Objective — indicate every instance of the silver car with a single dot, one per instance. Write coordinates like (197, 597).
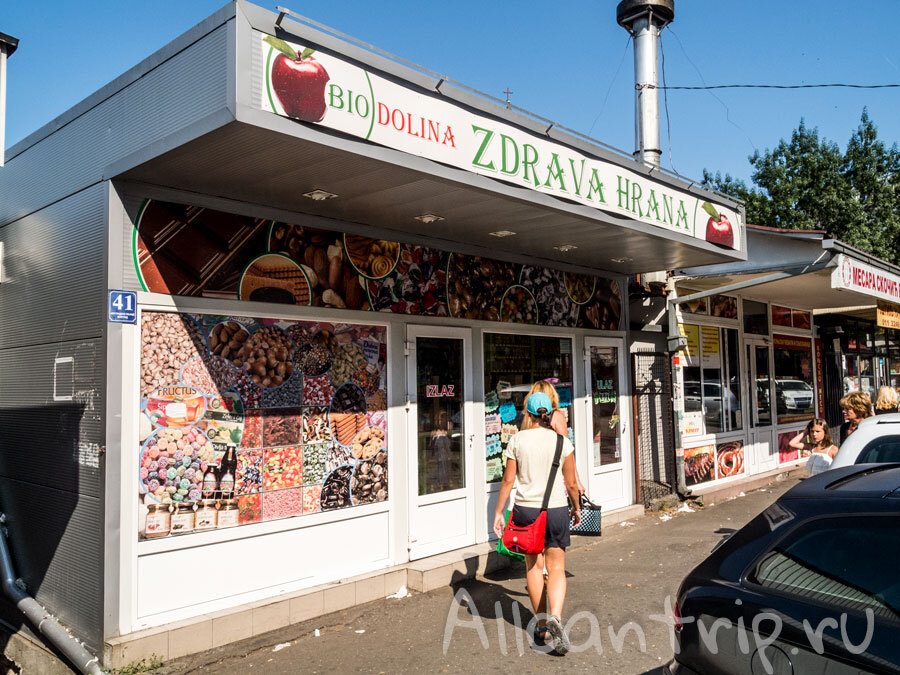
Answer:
(876, 440)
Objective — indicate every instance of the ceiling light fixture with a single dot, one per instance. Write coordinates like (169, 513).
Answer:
(501, 233)
(428, 218)
(319, 195)
(621, 260)
(565, 248)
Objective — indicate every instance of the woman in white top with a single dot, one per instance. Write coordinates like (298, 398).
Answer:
(529, 458)
(817, 439)
(557, 417)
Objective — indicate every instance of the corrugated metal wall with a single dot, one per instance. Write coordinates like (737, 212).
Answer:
(182, 90)
(52, 302)
(51, 417)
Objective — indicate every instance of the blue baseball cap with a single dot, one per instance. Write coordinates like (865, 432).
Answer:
(537, 401)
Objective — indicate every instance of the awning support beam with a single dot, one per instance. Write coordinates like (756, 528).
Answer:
(675, 338)
(740, 285)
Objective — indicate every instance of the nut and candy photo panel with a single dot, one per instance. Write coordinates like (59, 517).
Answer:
(244, 420)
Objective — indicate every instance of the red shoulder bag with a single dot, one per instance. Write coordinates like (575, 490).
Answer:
(530, 538)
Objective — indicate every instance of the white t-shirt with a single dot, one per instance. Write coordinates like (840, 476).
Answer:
(533, 451)
(818, 462)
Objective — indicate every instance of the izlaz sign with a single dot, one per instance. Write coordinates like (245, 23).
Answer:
(319, 88)
(853, 275)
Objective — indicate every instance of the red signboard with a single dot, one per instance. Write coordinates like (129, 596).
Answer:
(796, 343)
(820, 380)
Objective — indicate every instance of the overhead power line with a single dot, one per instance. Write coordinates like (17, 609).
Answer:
(773, 86)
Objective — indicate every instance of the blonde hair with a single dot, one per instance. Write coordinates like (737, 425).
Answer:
(887, 399)
(545, 387)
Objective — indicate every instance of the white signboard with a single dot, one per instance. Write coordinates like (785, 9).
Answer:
(318, 88)
(854, 275)
(692, 423)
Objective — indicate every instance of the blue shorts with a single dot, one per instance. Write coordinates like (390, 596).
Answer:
(557, 533)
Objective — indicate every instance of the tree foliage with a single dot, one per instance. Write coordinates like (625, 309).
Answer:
(807, 183)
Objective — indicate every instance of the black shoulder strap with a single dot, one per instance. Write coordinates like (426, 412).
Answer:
(553, 470)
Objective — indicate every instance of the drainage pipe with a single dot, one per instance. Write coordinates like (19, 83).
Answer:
(40, 618)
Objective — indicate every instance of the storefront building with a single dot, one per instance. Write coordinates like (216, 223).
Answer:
(862, 352)
(772, 342)
(346, 275)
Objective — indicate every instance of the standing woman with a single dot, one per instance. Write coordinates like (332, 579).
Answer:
(856, 406)
(887, 400)
(529, 458)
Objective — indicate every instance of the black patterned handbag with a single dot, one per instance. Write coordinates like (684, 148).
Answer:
(590, 519)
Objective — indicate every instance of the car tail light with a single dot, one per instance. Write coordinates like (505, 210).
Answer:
(679, 624)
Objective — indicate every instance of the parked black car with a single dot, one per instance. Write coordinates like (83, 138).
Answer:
(816, 575)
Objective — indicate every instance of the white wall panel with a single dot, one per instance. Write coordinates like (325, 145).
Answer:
(229, 573)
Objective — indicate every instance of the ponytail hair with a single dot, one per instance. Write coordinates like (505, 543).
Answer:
(543, 419)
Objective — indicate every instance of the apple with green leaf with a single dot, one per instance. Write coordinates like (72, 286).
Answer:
(299, 82)
(718, 227)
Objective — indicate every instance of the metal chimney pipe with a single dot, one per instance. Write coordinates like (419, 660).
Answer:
(8, 45)
(644, 19)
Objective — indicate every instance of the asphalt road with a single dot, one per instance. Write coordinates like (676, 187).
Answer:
(617, 587)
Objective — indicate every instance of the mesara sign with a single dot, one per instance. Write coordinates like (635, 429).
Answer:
(322, 89)
(853, 275)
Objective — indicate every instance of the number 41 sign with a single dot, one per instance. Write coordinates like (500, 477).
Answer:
(122, 307)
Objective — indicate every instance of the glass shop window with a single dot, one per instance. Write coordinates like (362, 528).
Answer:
(794, 393)
(756, 317)
(512, 363)
(712, 380)
(791, 318)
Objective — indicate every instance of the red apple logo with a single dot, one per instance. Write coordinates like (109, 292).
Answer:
(299, 82)
(718, 227)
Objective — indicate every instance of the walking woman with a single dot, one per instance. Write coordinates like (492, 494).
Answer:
(557, 417)
(529, 458)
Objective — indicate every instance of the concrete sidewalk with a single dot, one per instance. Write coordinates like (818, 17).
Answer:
(623, 577)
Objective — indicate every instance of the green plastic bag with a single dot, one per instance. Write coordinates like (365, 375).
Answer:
(501, 549)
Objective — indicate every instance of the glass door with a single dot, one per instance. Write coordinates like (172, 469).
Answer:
(762, 455)
(611, 482)
(439, 390)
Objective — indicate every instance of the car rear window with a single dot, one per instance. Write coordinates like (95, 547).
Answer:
(881, 449)
(846, 562)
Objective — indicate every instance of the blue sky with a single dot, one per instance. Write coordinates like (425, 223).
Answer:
(566, 64)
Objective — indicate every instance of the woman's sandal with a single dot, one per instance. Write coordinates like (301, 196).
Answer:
(541, 635)
(558, 633)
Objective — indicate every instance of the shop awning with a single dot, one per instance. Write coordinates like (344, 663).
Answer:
(396, 144)
(803, 269)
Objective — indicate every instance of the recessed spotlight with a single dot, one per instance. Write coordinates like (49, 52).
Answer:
(428, 218)
(501, 233)
(565, 248)
(621, 260)
(319, 195)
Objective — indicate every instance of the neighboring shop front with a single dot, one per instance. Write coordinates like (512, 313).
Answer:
(861, 349)
(773, 349)
(345, 285)
(749, 382)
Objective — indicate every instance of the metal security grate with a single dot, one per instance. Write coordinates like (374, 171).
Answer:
(653, 436)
